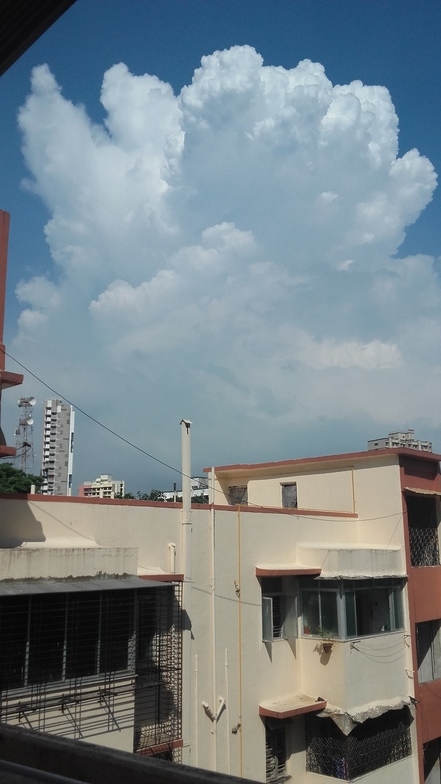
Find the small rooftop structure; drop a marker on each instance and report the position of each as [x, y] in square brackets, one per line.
[399, 438]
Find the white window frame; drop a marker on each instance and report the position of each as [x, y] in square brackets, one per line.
[395, 588]
[287, 612]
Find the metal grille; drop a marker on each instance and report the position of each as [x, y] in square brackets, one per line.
[371, 745]
[424, 546]
[238, 495]
[275, 753]
[83, 664]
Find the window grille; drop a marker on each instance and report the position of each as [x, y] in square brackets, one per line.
[371, 745]
[424, 546]
[275, 744]
[238, 495]
[79, 664]
[423, 531]
[289, 495]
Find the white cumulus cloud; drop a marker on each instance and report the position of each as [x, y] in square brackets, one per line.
[230, 254]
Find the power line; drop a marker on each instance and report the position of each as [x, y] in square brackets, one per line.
[92, 418]
[162, 462]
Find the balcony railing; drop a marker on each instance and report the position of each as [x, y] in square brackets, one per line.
[424, 546]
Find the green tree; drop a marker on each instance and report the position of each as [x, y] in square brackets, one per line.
[14, 480]
[154, 495]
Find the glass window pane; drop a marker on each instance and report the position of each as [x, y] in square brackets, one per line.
[267, 618]
[311, 613]
[277, 616]
[398, 608]
[351, 622]
[329, 621]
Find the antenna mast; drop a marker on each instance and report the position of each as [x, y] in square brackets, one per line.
[25, 435]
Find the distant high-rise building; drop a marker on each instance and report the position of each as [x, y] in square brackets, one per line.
[103, 487]
[400, 439]
[58, 439]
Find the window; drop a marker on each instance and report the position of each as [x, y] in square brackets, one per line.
[279, 611]
[429, 650]
[47, 638]
[289, 496]
[238, 495]
[275, 745]
[371, 745]
[423, 531]
[432, 755]
[351, 608]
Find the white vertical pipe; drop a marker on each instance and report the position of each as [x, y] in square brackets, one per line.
[213, 629]
[186, 568]
[186, 481]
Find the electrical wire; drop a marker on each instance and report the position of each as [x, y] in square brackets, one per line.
[162, 462]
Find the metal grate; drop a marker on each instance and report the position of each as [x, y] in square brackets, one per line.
[83, 664]
[371, 745]
[275, 740]
[424, 546]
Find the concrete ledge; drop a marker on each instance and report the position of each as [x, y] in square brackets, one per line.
[91, 764]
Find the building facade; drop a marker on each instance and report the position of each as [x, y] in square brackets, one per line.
[57, 451]
[399, 438]
[310, 609]
[103, 487]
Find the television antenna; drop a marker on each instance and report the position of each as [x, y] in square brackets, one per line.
[24, 433]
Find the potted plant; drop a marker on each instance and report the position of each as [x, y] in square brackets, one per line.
[327, 638]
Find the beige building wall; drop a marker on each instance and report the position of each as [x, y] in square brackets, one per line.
[231, 668]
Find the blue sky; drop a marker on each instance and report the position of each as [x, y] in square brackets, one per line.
[275, 277]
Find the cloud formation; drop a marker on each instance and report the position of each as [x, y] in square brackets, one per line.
[233, 250]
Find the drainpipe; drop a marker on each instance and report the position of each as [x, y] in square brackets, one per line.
[186, 569]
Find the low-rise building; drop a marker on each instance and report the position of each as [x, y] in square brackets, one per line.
[103, 487]
[400, 438]
[310, 609]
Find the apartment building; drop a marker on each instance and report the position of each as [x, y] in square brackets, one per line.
[310, 611]
[104, 486]
[57, 450]
[400, 438]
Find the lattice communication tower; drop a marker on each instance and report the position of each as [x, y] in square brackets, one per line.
[25, 435]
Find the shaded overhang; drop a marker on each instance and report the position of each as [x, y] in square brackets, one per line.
[291, 705]
[22, 22]
[421, 491]
[25, 587]
[286, 570]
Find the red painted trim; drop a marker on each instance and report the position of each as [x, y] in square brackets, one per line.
[349, 457]
[275, 571]
[7, 451]
[8, 379]
[282, 510]
[72, 499]
[273, 714]
[163, 578]
[161, 747]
